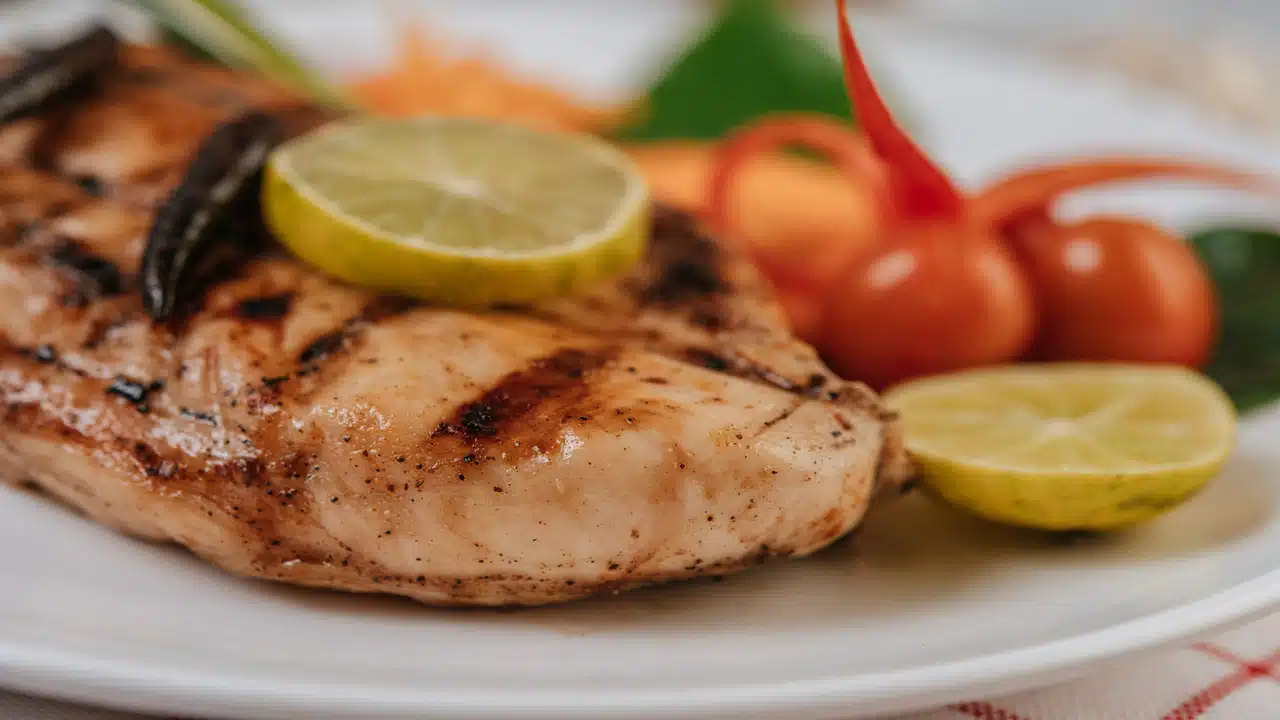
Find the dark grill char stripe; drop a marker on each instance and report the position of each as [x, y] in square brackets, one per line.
[339, 339]
[692, 264]
[524, 408]
[101, 327]
[269, 307]
[689, 275]
[45, 355]
[95, 277]
[327, 344]
[54, 75]
[708, 360]
[48, 142]
[748, 370]
[323, 358]
[32, 204]
[135, 392]
[93, 185]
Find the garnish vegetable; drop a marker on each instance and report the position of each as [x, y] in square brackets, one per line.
[960, 280]
[421, 80]
[189, 232]
[225, 32]
[1244, 262]
[458, 211]
[1067, 446]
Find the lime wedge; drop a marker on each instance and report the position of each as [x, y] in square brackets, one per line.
[1070, 446]
[458, 211]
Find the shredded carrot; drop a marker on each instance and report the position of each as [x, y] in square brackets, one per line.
[421, 80]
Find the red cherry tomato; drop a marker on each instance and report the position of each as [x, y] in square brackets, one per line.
[803, 309]
[1116, 289]
[930, 301]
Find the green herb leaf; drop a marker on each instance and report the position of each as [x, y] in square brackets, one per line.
[751, 61]
[1245, 266]
[179, 43]
[225, 32]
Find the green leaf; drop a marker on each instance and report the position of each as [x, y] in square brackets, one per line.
[1245, 266]
[751, 61]
[223, 31]
[179, 43]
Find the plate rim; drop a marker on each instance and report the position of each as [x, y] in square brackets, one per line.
[84, 677]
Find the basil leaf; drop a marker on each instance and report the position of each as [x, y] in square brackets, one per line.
[1244, 263]
[750, 62]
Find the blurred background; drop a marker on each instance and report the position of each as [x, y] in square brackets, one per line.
[1220, 55]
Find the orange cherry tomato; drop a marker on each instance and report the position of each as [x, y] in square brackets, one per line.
[928, 302]
[1116, 289]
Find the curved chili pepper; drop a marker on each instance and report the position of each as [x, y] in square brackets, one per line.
[1039, 186]
[922, 189]
[849, 152]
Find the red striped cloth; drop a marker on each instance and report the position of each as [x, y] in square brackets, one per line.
[1235, 676]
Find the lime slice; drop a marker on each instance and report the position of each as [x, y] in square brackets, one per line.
[1067, 447]
[457, 211]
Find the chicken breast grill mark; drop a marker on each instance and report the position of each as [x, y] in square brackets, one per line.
[291, 428]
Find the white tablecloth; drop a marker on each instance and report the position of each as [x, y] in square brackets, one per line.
[1235, 676]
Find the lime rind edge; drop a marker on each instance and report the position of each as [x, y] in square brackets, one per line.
[636, 201]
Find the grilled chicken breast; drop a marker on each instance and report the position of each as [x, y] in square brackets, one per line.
[292, 428]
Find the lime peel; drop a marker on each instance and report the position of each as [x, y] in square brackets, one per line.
[459, 211]
[1073, 446]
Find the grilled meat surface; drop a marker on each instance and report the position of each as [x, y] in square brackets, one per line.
[288, 427]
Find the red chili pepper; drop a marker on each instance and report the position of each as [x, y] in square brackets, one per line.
[921, 188]
[1038, 187]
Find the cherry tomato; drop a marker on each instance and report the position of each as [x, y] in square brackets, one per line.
[803, 309]
[1116, 289]
[933, 299]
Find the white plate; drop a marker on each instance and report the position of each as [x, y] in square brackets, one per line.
[926, 607]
